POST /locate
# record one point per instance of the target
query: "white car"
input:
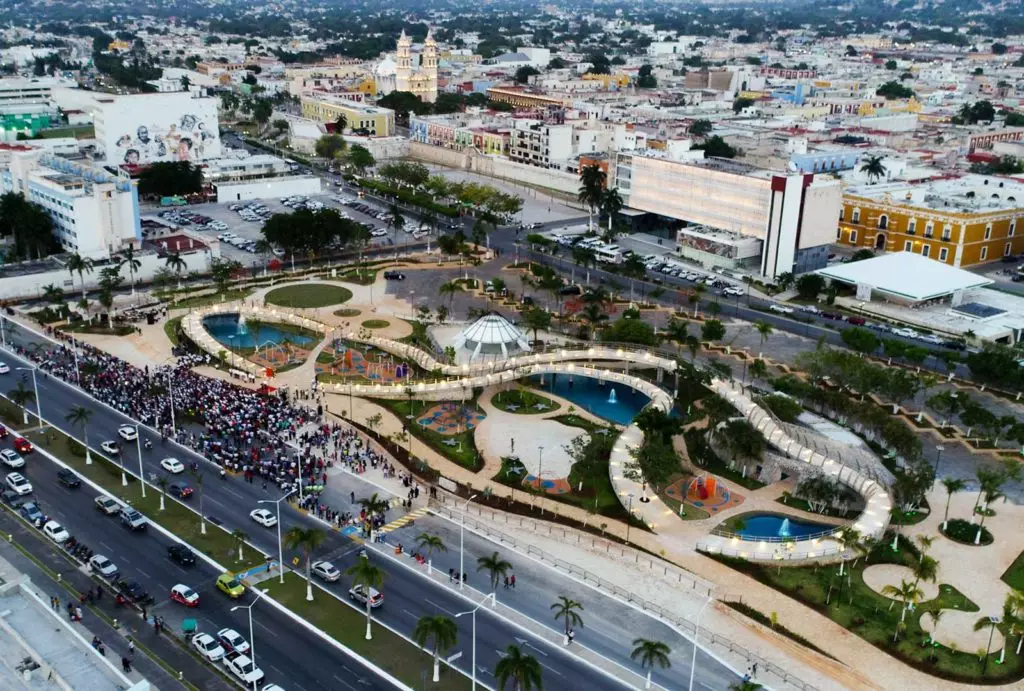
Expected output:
(103, 566)
(19, 483)
(326, 571)
(232, 641)
(358, 593)
(263, 517)
(128, 432)
(731, 290)
(378, 232)
(810, 309)
(184, 595)
(55, 531)
(172, 465)
(208, 646)
(781, 309)
(12, 459)
(111, 448)
(4, 368)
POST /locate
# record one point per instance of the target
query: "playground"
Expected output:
(279, 355)
(451, 418)
(340, 359)
(705, 492)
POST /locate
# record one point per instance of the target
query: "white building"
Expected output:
(95, 214)
(539, 144)
(20, 91)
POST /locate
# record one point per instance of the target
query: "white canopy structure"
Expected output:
(492, 334)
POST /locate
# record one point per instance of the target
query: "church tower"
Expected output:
(403, 71)
(430, 68)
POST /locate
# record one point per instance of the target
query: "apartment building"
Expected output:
(379, 122)
(539, 144)
(961, 222)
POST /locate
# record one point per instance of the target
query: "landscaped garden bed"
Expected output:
(965, 532)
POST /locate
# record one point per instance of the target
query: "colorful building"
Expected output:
(380, 122)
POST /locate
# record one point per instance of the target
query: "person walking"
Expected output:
(131, 646)
(512, 581)
(126, 665)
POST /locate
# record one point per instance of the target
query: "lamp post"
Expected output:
(170, 399)
(35, 386)
(462, 541)
(142, 477)
(540, 475)
(696, 634)
(252, 637)
(280, 547)
(939, 448)
(472, 612)
(629, 517)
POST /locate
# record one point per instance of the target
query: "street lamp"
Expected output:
(629, 517)
(462, 541)
(252, 637)
(490, 597)
(939, 448)
(696, 634)
(142, 477)
(35, 385)
(540, 475)
(280, 548)
(170, 399)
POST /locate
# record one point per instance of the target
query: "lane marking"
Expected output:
(410, 614)
(347, 685)
(443, 609)
(267, 628)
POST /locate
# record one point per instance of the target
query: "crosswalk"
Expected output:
(405, 520)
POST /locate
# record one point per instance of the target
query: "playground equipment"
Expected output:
(703, 486)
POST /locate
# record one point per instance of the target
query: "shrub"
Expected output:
(964, 532)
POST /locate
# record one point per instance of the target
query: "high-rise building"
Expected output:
(420, 80)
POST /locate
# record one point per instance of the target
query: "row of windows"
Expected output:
(908, 246)
(929, 229)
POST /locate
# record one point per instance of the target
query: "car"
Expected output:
(31, 512)
(180, 491)
(244, 669)
(4, 431)
(68, 478)
(104, 567)
(527, 300)
(19, 483)
(55, 531)
(326, 571)
(181, 555)
(22, 445)
(128, 432)
(378, 232)
(955, 345)
(835, 316)
(133, 592)
(394, 276)
(111, 448)
(4, 368)
(232, 641)
(172, 465)
(184, 595)
(12, 459)
(107, 505)
(131, 518)
(810, 309)
(856, 321)
(781, 309)
(358, 593)
(208, 646)
(229, 584)
(733, 291)
(264, 517)
(570, 290)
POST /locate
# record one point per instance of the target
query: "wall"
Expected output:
(267, 189)
(496, 167)
(144, 128)
(382, 148)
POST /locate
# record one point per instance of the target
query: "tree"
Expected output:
(340, 123)
(873, 168)
(645, 79)
(330, 146)
(80, 415)
(370, 577)
(176, 263)
(591, 191)
(440, 630)
(404, 103)
(701, 127)
(650, 654)
(222, 271)
(891, 65)
(716, 147)
(611, 204)
(536, 319)
(764, 330)
(449, 289)
(170, 178)
(81, 265)
(893, 90)
(374, 504)
(999, 48)
(740, 103)
(359, 158)
(712, 330)
(30, 225)
(565, 609)
(307, 540)
(851, 52)
(906, 592)
(129, 259)
(495, 566)
(21, 397)
(860, 339)
(430, 543)
(524, 73)
(809, 285)
(979, 625)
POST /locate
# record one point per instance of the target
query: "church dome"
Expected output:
(386, 67)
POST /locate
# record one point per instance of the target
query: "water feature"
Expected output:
(593, 396)
(230, 330)
(770, 526)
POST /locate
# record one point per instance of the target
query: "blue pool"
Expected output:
(594, 397)
(774, 526)
(227, 330)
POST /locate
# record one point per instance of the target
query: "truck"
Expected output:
(243, 668)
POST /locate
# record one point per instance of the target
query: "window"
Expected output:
(853, 236)
(988, 231)
(1013, 227)
(912, 225)
(1007, 250)
(883, 222)
(842, 212)
(984, 253)
(947, 232)
(929, 229)
(855, 218)
(943, 253)
(926, 251)
(908, 246)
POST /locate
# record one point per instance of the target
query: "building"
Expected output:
(422, 81)
(379, 122)
(961, 221)
(95, 214)
(523, 99)
(146, 128)
(27, 120)
(540, 144)
(792, 215)
(19, 91)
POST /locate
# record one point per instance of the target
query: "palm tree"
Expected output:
(374, 504)
(442, 631)
(565, 609)
(449, 289)
(936, 616)
(163, 483)
(368, 576)
(611, 204)
(952, 485)
(430, 543)
(80, 265)
(978, 626)
(907, 592)
(926, 569)
(21, 397)
(650, 654)
(132, 262)
(522, 670)
(1013, 617)
(849, 537)
(495, 566)
(306, 539)
(197, 477)
(591, 192)
(80, 415)
(873, 168)
(53, 294)
(764, 329)
(926, 542)
(175, 263)
(238, 537)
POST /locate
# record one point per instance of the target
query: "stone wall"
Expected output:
(496, 167)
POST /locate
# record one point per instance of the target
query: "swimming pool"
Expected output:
(614, 402)
(228, 331)
(772, 526)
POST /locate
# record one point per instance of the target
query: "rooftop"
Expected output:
(906, 275)
(967, 194)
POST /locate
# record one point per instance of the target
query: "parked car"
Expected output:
(104, 567)
(12, 459)
(394, 276)
(208, 647)
(19, 483)
(232, 641)
(131, 518)
(107, 505)
(22, 445)
(781, 309)
(856, 321)
(31, 512)
(55, 531)
(133, 592)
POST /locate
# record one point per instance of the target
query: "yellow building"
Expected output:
(119, 45)
(608, 81)
(379, 122)
(961, 222)
(523, 99)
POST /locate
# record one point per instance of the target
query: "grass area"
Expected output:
(171, 327)
(964, 532)
(76, 131)
(464, 452)
(776, 627)
(359, 276)
(376, 323)
(309, 295)
(387, 650)
(1014, 576)
(848, 601)
(418, 337)
(524, 401)
(789, 500)
(217, 543)
(84, 327)
(212, 298)
(347, 312)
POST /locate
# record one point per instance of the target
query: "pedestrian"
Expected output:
(126, 665)
(78, 614)
(451, 575)
(753, 670)
(572, 635)
(506, 582)
(352, 497)
(143, 613)
(131, 646)
(463, 577)
(512, 581)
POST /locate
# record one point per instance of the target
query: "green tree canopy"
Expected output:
(170, 178)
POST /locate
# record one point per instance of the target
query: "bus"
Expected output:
(609, 254)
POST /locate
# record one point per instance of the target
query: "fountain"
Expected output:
(784, 528)
(611, 397)
(242, 328)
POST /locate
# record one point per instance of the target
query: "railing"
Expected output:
(721, 532)
(754, 555)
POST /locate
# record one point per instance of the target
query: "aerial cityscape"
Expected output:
(514, 346)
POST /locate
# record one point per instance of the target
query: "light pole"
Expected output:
(490, 597)
(462, 541)
(142, 478)
(170, 399)
(629, 516)
(252, 637)
(280, 547)
(540, 475)
(696, 634)
(35, 386)
(939, 448)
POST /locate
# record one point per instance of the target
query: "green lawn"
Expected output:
(84, 327)
(1014, 576)
(376, 323)
(309, 295)
(347, 312)
(524, 400)
(212, 298)
(468, 456)
(171, 329)
(359, 276)
(387, 650)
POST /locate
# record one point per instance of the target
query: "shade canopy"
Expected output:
(492, 334)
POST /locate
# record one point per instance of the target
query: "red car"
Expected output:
(184, 595)
(4, 432)
(22, 445)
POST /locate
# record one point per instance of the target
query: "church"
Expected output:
(400, 73)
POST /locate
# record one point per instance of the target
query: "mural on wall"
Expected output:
(184, 139)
